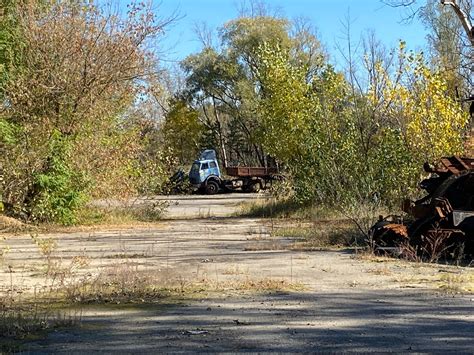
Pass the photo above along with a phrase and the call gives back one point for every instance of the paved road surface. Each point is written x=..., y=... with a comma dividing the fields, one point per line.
x=348, y=303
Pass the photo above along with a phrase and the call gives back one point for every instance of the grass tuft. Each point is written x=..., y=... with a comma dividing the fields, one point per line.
x=457, y=282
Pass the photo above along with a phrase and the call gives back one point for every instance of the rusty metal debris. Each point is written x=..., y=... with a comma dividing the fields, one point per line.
x=441, y=222
x=399, y=229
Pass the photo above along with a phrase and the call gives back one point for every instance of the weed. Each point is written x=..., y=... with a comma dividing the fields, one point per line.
x=150, y=212
x=239, y=284
x=46, y=247
x=383, y=271
x=28, y=320
x=147, y=212
x=236, y=270
x=4, y=250
x=266, y=244
x=124, y=255
x=264, y=285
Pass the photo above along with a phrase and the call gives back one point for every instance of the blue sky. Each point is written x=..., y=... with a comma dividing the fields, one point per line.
x=326, y=15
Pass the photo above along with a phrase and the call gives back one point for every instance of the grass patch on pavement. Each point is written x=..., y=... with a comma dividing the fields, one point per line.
x=309, y=226
x=457, y=282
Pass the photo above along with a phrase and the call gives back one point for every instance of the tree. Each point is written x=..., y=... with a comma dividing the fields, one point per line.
x=449, y=53
x=463, y=15
x=223, y=83
x=451, y=36
x=80, y=69
x=183, y=132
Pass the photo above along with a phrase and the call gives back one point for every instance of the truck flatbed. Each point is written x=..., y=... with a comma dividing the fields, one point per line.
x=243, y=171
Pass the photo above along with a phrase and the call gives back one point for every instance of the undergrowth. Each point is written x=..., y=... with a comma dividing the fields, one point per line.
x=89, y=217
x=124, y=215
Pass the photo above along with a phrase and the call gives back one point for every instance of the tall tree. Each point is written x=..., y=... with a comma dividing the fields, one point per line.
x=449, y=51
x=223, y=82
x=80, y=68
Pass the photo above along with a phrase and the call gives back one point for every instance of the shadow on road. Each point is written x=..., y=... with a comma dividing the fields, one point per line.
x=280, y=322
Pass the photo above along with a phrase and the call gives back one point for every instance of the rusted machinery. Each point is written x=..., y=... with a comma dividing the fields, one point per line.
x=442, y=222
x=439, y=224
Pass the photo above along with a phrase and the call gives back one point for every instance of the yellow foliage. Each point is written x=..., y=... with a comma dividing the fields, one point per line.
x=432, y=122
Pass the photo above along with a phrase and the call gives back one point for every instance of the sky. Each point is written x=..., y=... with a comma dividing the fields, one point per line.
x=327, y=16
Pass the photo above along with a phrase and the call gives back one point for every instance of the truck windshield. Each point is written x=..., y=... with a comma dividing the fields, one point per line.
x=195, y=167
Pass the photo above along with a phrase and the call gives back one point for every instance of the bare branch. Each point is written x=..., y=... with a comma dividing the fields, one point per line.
x=463, y=17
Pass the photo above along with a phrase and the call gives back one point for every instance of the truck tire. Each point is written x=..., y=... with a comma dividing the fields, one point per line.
x=212, y=187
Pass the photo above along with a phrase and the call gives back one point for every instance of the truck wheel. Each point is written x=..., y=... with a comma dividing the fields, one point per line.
x=212, y=187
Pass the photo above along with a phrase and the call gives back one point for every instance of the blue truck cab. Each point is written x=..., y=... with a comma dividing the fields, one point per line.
x=205, y=173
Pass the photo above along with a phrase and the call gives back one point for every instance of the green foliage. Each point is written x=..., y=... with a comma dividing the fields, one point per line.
x=183, y=132
x=12, y=41
x=225, y=86
x=8, y=138
x=287, y=104
x=69, y=74
x=60, y=191
x=432, y=121
x=245, y=35
x=342, y=147
x=8, y=134
x=266, y=94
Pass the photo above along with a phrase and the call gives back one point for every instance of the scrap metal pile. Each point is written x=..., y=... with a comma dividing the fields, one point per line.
x=439, y=224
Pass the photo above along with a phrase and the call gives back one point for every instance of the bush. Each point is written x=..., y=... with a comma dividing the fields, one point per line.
x=58, y=190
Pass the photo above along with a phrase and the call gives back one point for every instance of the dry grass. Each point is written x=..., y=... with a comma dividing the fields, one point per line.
x=382, y=271
x=98, y=216
x=410, y=274
x=92, y=218
x=28, y=316
x=12, y=225
x=307, y=227
x=239, y=285
x=263, y=285
x=461, y=282
x=302, y=227
x=236, y=270
x=368, y=255
x=319, y=234
x=266, y=244
x=126, y=283
x=21, y=323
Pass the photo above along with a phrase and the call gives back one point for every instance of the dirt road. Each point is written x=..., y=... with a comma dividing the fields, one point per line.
x=330, y=301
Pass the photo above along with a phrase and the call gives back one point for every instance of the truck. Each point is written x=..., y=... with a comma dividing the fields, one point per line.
x=206, y=176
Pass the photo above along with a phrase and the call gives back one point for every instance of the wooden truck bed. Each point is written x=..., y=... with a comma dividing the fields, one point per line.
x=242, y=171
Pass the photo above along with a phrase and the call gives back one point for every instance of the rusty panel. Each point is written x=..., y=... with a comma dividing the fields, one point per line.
x=242, y=171
x=455, y=165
